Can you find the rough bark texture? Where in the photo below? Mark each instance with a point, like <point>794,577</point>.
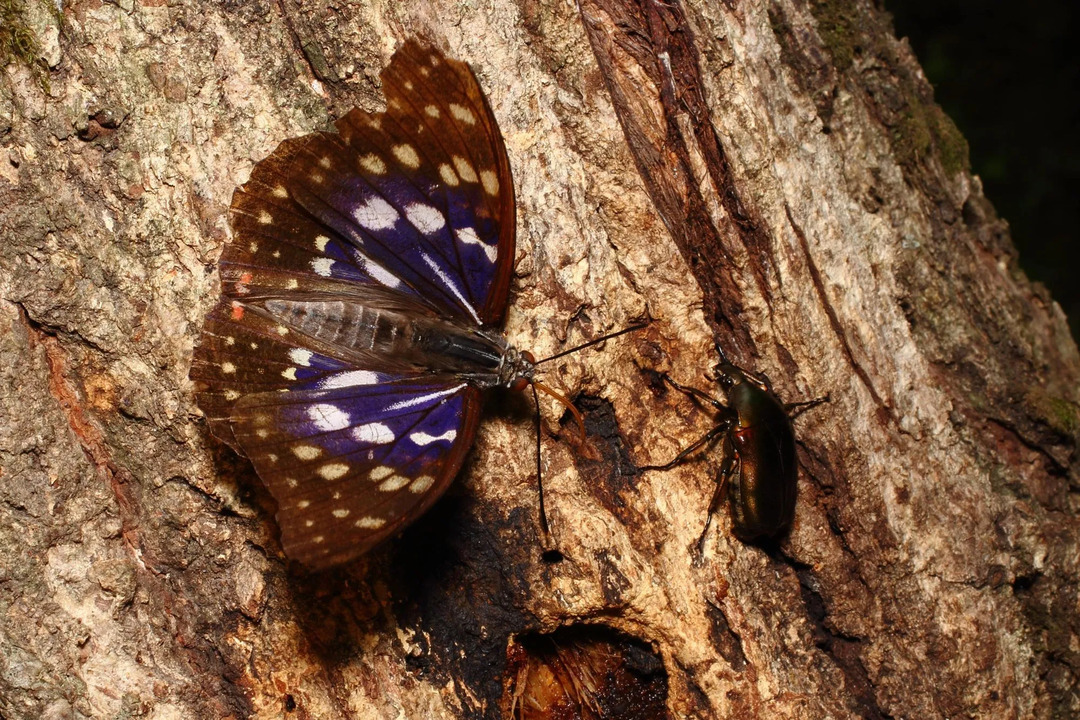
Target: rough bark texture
<point>771,175</point>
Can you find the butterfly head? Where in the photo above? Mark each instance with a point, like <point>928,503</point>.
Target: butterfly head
<point>518,369</point>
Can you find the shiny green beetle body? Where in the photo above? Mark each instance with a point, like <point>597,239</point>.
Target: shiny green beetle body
<point>759,473</point>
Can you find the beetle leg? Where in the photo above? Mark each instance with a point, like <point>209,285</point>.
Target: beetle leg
<point>727,469</point>
<point>695,393</point>
<point>800,407</point>
<point>703,440</point>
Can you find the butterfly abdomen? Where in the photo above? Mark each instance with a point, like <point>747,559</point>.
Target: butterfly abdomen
<point>404,341</point>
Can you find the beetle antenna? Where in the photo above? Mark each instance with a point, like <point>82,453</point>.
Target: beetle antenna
<point>592,342</point>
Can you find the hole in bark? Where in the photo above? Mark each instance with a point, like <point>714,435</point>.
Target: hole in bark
<point>583,672</point>
<point>552,556</point>
<point>290,703</point>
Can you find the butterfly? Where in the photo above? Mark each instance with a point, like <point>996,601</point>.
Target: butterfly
<point>368,272</point>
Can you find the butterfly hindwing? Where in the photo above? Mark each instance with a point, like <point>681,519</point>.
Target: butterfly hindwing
<point>410,211</point>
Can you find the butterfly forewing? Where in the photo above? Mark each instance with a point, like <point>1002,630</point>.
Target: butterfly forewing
<point>408,211</point>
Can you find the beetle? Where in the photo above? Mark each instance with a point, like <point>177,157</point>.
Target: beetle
<point>758,475</point>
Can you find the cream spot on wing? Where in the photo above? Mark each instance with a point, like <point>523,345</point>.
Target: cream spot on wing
<point>425,218</point>
<point>325,161</point>
<point>328,418</point>
<point>291,284</point>
<point>393,483</point>
<point>424,71</point>
<point>322,266</point>
<point>303,504</point>
<point>280,191</point>
<point>341,513</point>
<point>289,373</point>
<point>422,438</point>
<point>464,169</point>
<point>376,214</point>
<point>253,248</point>
<point>307,452</point>
<point>490,182</point>
<point>320,243</point>
<point>370,523</point>
<point>263,433</point>
<point>350,378</point>
<point>469,237</point>
<point>462,113</point>
<point>375,433</point>
<point>228,368</point>
<point>265,218</point>
<point>230,340</point>
<point>373,164</point>
<point>432,111</point>
<point>300,356</point>
<point>317,178</point>
<point>309,523</point>
<point>282,330</point>
<point>272,457</point>
<point>380,472</point>
<point>408,85</point>
<point>333,471</point>
<point>318,540</point>
<point>406,155</point>
<point>231,395</point>
<point>276,253</point>
<point>448,175</point>
<point>421,484</point>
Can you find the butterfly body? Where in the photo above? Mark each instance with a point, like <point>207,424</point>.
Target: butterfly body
<point>361,296</point>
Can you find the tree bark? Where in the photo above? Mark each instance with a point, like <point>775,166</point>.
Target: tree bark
<point>772,176</point>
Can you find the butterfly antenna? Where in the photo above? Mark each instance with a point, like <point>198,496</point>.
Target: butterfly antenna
<point>592,342</point>
<point>539,472</point>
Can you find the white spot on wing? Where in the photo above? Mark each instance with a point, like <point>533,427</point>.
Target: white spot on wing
<point>328,418</point>
<point>307,452</point>
<point>228,368</point>
<point>490,181</point>
<point>341,513</point>
<point>462,113</point>
<point>375,433</point>
<point>380,472</point>
<point>300,356</point>
<point>422,399</point>
<point>370,523</point>
<point>322,266</point>
<point>464,169</point>
<point>448,175</point>
<point>320,243</point>
<point>422,438</point>
<point>432,111</point>
<point>406,155</point>
<point>376,214</point>
<point>469,237</point>
<point>450,285</point>
<point>425,218</point>
<point>289,373</point>
<point>333,471</point>
<point>265,218</point>
<point>377,272</point>
<point>350,378</point>
<point>421,484</point>
<point>373,164</point>
<point>393,483</point>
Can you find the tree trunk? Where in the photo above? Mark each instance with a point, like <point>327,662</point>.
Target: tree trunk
<point>771,176</point>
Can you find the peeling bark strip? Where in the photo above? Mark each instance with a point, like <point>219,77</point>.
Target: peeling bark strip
<point>675,146</point>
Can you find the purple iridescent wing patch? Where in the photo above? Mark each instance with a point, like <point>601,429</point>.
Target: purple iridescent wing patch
<point>406,214</point>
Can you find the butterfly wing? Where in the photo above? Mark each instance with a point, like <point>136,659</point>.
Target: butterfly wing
<point>412,209</point>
